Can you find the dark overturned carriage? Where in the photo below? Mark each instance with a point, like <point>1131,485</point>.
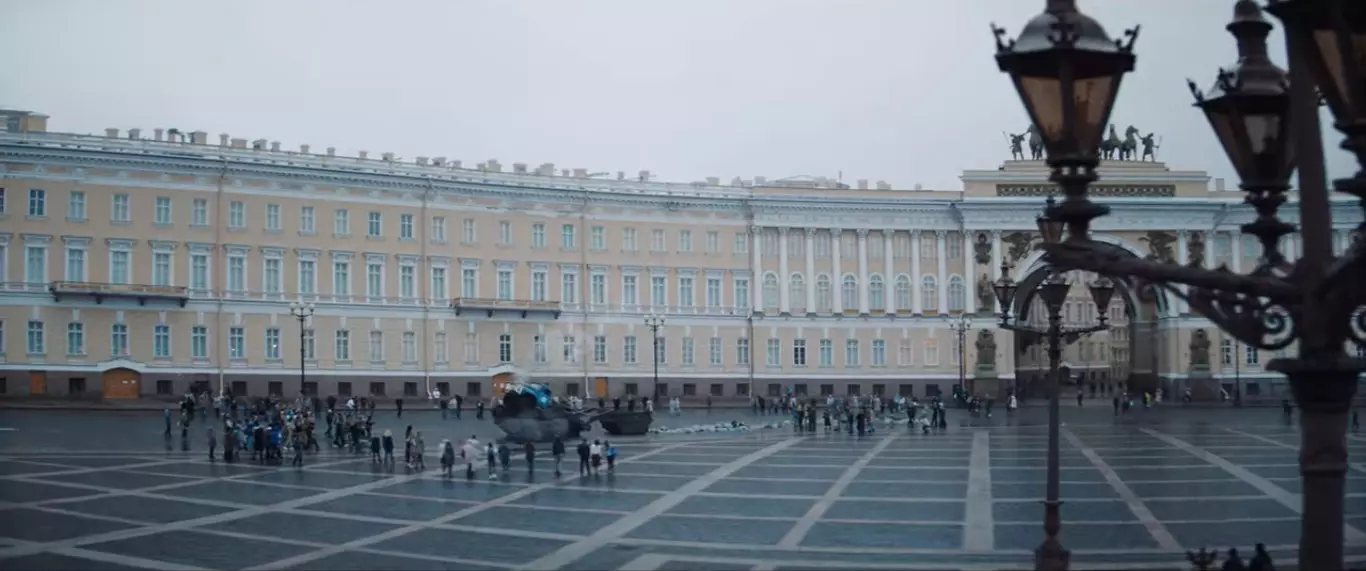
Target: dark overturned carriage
<point>528,414</point>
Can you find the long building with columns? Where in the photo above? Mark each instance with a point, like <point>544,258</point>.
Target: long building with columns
<point>143,264</point>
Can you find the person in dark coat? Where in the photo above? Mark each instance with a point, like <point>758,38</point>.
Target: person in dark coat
<point>1261,560</point>
<point>530,450</point>
<point>583,449</point>
<point>557,452</point>
<point>504,456</point>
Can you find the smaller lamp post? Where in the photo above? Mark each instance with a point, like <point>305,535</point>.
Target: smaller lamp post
<point>302,312</point>
<point>654,321</point>
<point>960,327</point>
<point>1050,554</point>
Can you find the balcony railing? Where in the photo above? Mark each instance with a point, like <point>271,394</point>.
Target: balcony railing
<point>100,291</point>
<point>490,305</point>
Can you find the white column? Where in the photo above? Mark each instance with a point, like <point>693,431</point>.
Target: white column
<point>916,307</point>
<point>888,276</point>
<point>1209,250</point>
<point>810,270</point>
<point>969,273</point>
<point>784,304</point>
<point>836,272</point>
<point>996,262</point>
<point>1183,258</point>
<point>941,243</point>
<point>1236,238</point>
<point>756,279</point>
<point>863,271</point>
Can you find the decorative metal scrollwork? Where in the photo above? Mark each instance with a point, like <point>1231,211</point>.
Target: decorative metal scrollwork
<point>1257,322</point>
<point>1356,329</point>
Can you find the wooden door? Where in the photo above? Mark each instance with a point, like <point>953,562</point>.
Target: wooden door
<point>600,387</point>
<point>37,383</point>
<point>500,384</point>
<point>121,384</point>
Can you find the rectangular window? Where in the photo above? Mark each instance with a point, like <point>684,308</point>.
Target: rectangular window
<point>271,276</point>
<point>441,351</point>
<point>628,350</point>
<point>163,215</point>
<point>199,271</point>
<point>629,294</point>
<point>714,351</point>
<point>75,265</point>
<point>661,345</point>
<point>799,352</point>
<point>439,229</point>
<point>600,349</point>
<point>742,351</point>
<point>827,350</point>
<point>120,267</point>
<point>932,353</point>
<point>118,340</point>
<point>538,235</point>
<point>161,341</point>
<point>75,339</point>
<point>657,241</point>
<point>341,346</point>
<point>439,283</point>
<point>272,217</point>
<point>75,206</point>
<point>409,346</point>
<point>688,351</point>
<point>199,212</point>
<point>309,348</point>
<point>628,239</point>
<point>341,222</point>
<point>374,280</point>
<point>567,239</point>
<point>405,226</point>
<point>879,353</point>
<point>1253,356</point>
<point>851,353</point>
<point>598,239</point>
<point>36,342</point>
<point>237,215</point>
<point>237,343</point>
<point>774,353</point>
<point>469,233</point>
<point>659,291</point>
<point>505,348</point>
<point>570,288</point>
<point>37,203</point>
<point>407,281</point>
<point>35,264</point>
<point>341,278</point>
<point>308,276</point>
<point>741,293</point>
<point>199,343</point>
<point>505,285</point>
<point>472,348</point>
<point>713,242</point>
<point>685,292</point>
<point>713,293</point>
<point>374,226</point>
<point>469,282</point>
<point>308,220</point>
<point>122,210</point>
<point>376,346</point>
<point>538,285</point>
<point>505,233</point>
<point>161,268</point>
<point>685,241</point>
<point>597,289</point>
<point>569,349</point>
<point>741,243</point>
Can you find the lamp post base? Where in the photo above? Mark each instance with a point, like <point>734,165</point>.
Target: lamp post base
<point>1051,555</point>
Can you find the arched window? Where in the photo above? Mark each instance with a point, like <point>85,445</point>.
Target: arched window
<point>796,292</point>
<point>877,293</point>
<point>823,299</point>
<point>958,294</point>
<point>849,293</point>
<point>929,294</point>
<point>770,291</point>
<point>903,292</point>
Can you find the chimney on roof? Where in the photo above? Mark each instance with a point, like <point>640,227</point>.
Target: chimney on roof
<point>564,172</point>
<point>387,156</point>
<point>519,168</point>
<point>112,133</point>
<point>493,165</point>
<point>421,161</point>
<point>1219,184</point>
<point>863,184</point>
<point>760,181</point>
<point>362,155</point>
<point>580,173</point>
<point>199,138</point>
<point>331,151</point>
<point>439,161</point>
<point>274,146</point>
<point>882,185</point>
<point>713,181</point>
<point>644,176</point>
<point>223,139</point>
<point>457,164</point>
<point>158,133</point>
<point>918,186</point>
<point>135,134</point>
<point>546,169</point>
<point>303,149</point>
<point>737,181</point>
<point>259,144</point>
<point>621,175</point>
<point>239,143</point>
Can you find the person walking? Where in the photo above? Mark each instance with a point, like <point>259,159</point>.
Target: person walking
<point>530,450</point>
<point>398,403</point>
<point>557,452</point>
<point>213,444</point>
<point>584,450</point>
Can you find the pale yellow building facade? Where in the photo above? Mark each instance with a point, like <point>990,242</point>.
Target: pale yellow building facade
<point>144,263</point>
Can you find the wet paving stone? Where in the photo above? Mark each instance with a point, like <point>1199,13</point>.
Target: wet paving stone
<point>1153,474</point>
<point>36,525</point>
<point>733,486</point>
<point>1035,490</point>
<point>646,467</point>
<point>1194,490</point>
<point>761,507</point>
<point>874,510</point>
<point>651,483</point>
<point>946,476</point>
<point>522,519</point>
<point>470,545</point>
<point>302,527</point>
<point>363,561</point>
<point>590,499</point>
<point>1196,535</point>
<point>209,470</point>
<point>15,491</point>
<point>1038,475</point>
<point>78,462</point>
<point>55,562</point>
<point>757,532</point>
<point>138,508</point>
<point>242,493</point>
<point>476,491</point>
<point>1089,536</point>
<point>315,479</point>
<point>884,535</point>
<point>908,491</point>
<point>8,468</point>
<point>1033,511</point>
<point>201,549</point>
<point>831,473</point>
<point>118,479</point>
<point>388,507</point>
<point>1214,509</point>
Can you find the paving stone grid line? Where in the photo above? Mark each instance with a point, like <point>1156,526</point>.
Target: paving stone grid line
<point>879,503</point>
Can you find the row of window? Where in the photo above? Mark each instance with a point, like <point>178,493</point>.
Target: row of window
<point>541,350</point>
<point>849,293</point>
<point>821,242</point>
<point>121,212</point>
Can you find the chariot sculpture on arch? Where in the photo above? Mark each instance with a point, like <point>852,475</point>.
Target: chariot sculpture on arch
<point>1035,141</point>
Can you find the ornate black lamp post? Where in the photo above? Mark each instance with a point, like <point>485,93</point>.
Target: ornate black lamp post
<point>1051,554</point>
<point>654,321</point>
<point>1267,121</point>
<point>302,312</point>
<point>960,327</point>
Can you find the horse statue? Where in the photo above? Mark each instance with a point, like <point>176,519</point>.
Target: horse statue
<point>1035,143</point>
<point>1016,145</point>
<point>1109,145</point>
<point>1149,147</point>
<point>1129,147</point>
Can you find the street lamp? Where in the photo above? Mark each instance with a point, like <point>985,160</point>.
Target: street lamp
<point>654,321</point>
<point>960,327</point>
<point>301,312</point>
<point>1051,554</point>
<point>1267,122</point>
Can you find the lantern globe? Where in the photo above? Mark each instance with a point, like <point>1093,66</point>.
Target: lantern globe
<point>1335,46</point>
<point>1054,293</point>
<point>1102,291</point>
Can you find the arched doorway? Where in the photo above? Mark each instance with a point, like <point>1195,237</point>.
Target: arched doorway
<point>1124,358</point>
<point>121,383</point>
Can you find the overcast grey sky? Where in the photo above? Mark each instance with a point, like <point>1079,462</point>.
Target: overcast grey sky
<point>901,90</point>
